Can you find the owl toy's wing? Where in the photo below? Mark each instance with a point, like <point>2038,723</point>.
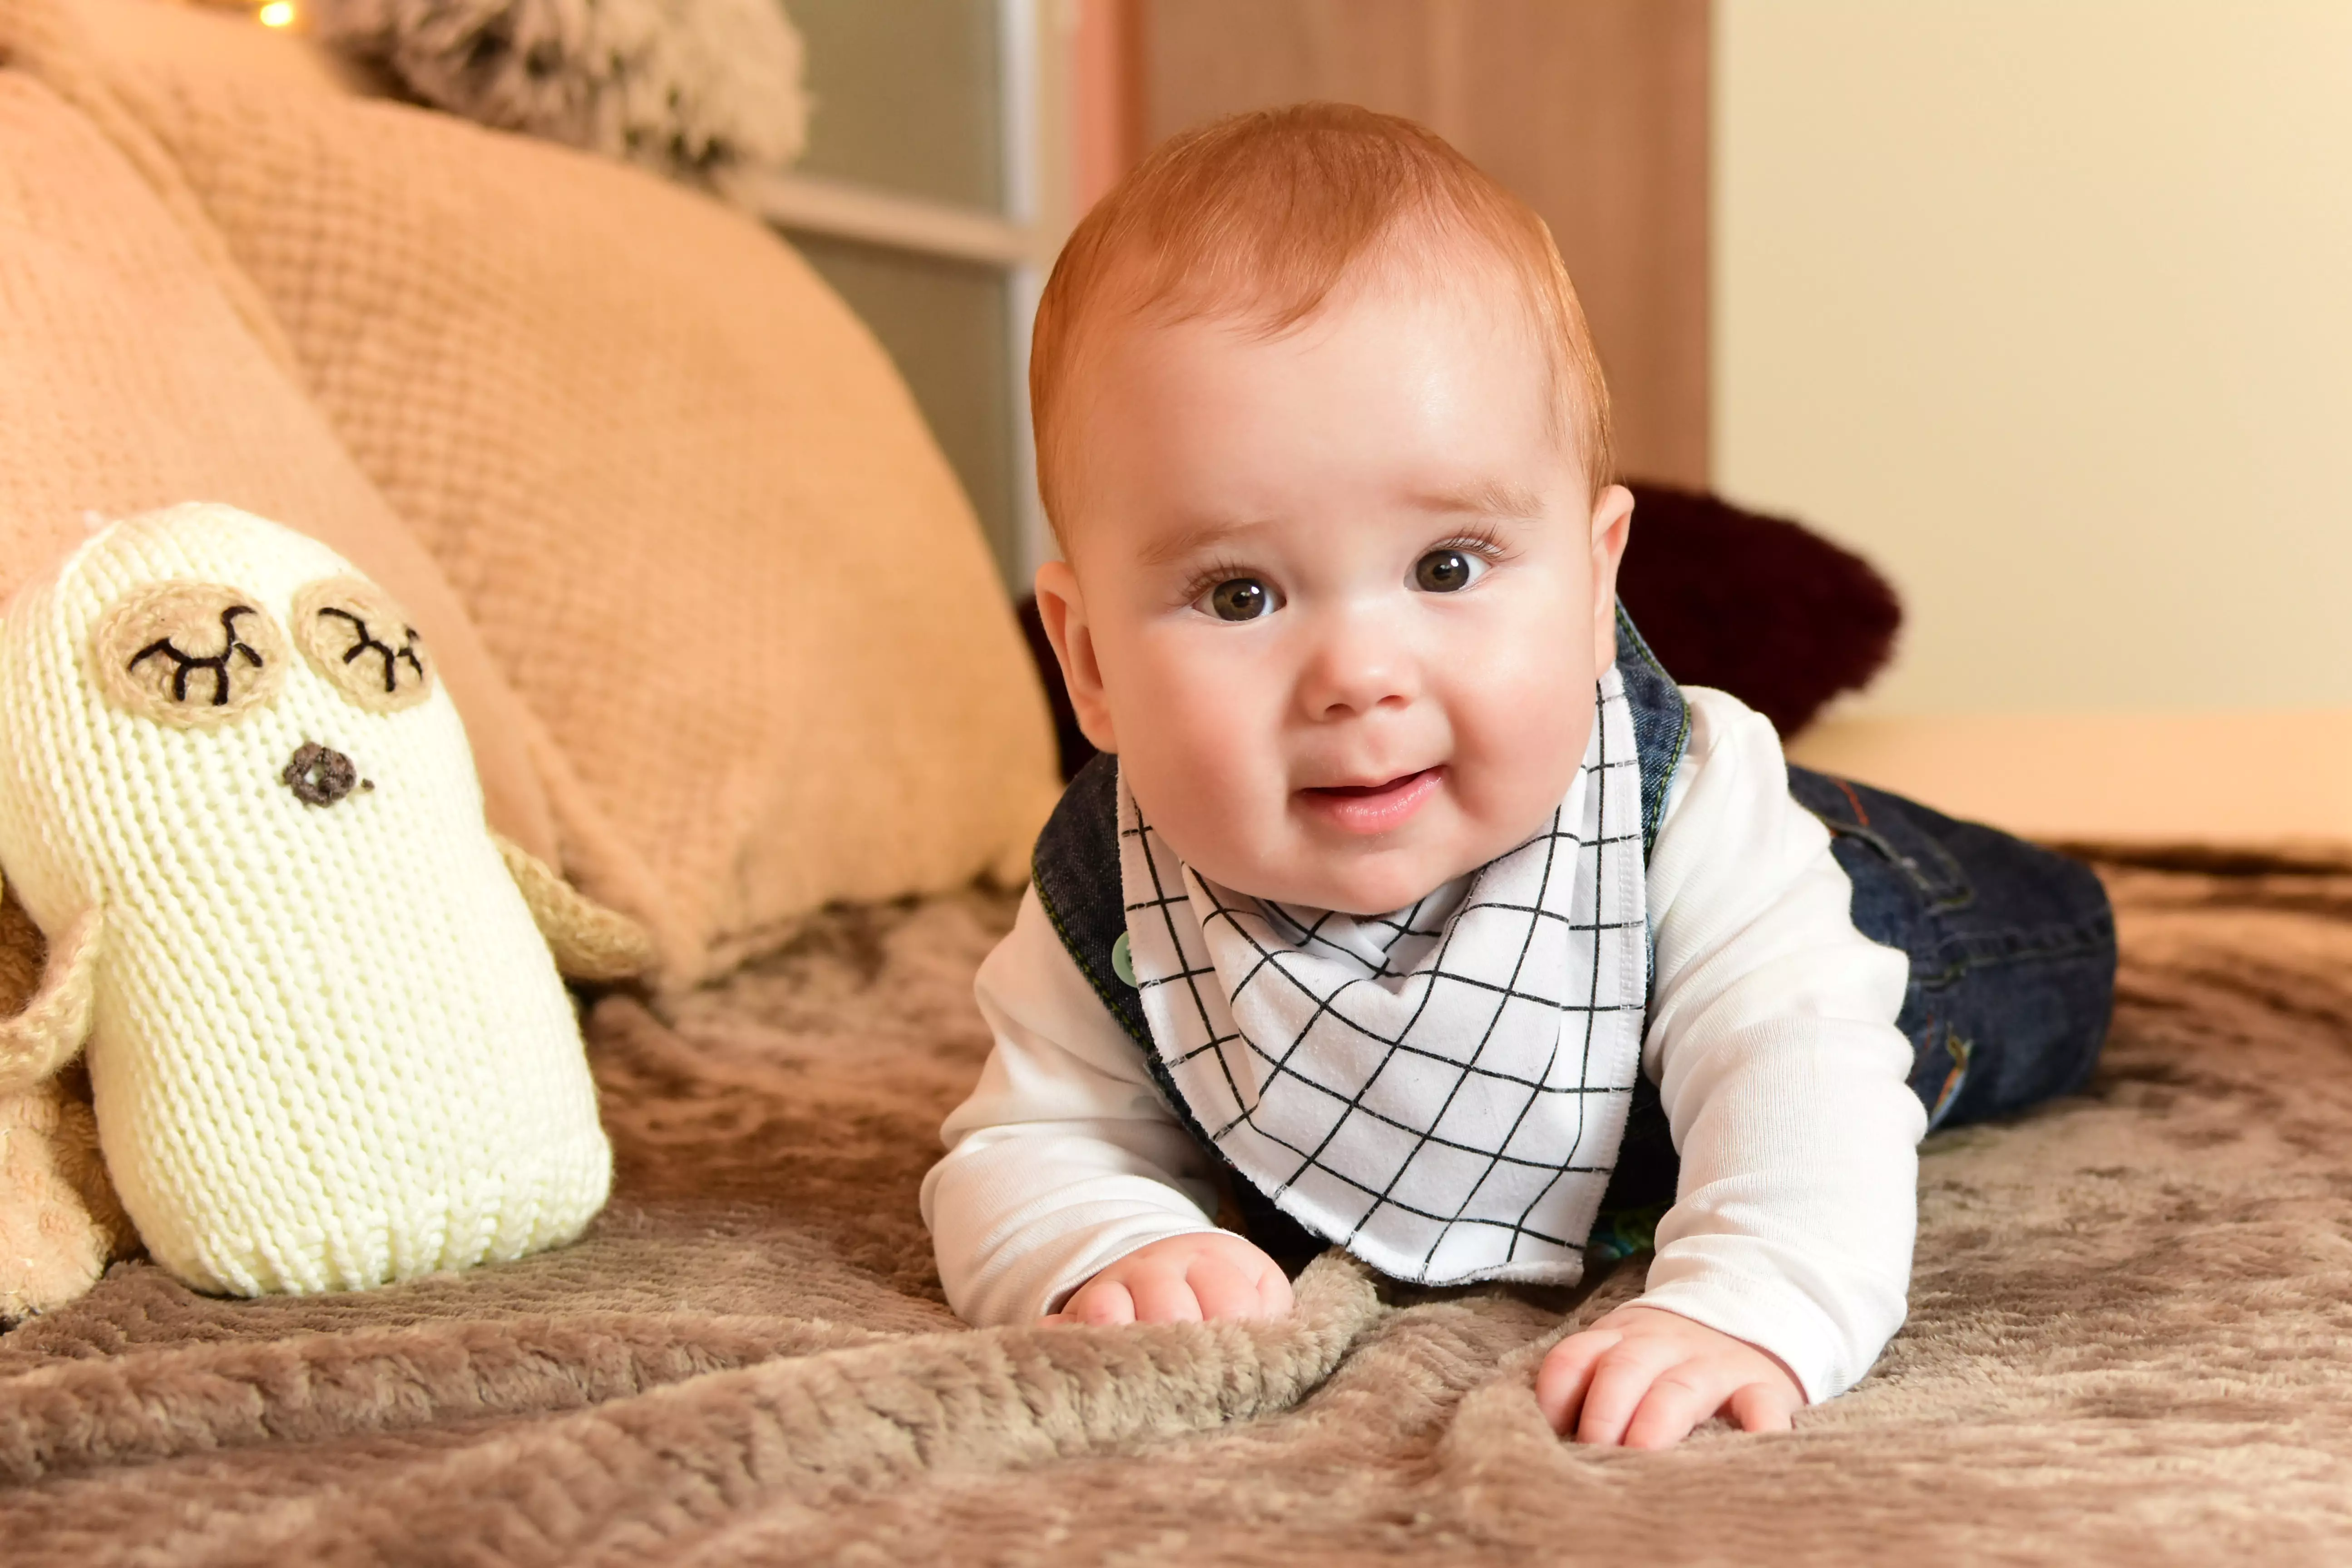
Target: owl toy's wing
<point>59,1220</point>
<point>54,1023</point>
<point>590,942</point>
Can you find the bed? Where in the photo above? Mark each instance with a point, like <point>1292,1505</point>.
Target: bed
<point>2126,1339</point>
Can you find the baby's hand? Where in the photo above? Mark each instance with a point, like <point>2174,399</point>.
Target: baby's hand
<point>1183,1279</point>
<point>1643,1376</point>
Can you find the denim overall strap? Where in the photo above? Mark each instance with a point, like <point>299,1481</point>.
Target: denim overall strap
<point>1075,870</point>
<point>1642,1184</point>
<point>1661,724</point>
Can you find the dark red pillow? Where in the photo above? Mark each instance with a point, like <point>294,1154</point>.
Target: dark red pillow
<point>1762,607</point>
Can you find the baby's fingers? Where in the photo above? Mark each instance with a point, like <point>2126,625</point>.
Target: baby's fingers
<point>1762,1407</point>
<point>1275,1296</point>
<point>1220,1289</point>
<point>1098,1301</point>
<point>1680,1398</point>
<point>1162,1295</point>
<point>1567,1373</point>
<point>1687,1394</point>
<point>1620,1384</point>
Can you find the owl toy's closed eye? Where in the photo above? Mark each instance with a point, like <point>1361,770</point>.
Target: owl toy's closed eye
<point>327,1040</point>
<point>187,653</point>
<point>353,634</point>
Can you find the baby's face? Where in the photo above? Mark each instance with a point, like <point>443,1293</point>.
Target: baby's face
<point>1337,599</point>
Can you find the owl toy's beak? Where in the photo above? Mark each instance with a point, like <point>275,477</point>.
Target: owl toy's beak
<point>320,775</point>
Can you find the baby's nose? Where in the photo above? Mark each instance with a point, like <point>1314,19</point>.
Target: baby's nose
<point>1353,674</point>
<point>320,775</point>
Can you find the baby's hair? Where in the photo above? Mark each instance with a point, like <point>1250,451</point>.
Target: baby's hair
<point>1264,215</point>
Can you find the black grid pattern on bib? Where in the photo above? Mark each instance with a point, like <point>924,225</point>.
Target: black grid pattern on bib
<point>1609,775</point>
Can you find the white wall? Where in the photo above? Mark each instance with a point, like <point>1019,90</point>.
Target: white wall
<point>2046,306</point>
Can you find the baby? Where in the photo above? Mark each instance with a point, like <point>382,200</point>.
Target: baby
<point>1413,907</point>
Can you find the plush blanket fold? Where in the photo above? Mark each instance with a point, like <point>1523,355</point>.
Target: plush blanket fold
<point>2127,1340</point>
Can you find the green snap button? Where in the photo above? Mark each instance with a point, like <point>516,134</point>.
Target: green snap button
<point>1122,962</point>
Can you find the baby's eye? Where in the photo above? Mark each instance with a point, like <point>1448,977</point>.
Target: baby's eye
<point>1240,598</point>
<point>1447,570</point>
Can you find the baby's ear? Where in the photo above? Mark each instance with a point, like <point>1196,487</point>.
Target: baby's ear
<point>1062,608</point>
<point>1612,524</point>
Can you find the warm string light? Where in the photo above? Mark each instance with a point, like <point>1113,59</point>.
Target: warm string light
<point>276,14</point>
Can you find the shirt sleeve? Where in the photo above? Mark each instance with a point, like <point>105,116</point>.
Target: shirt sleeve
<point>1771,1038</point>
<point>1064,1158</point>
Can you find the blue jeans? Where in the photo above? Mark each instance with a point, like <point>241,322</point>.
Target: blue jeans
<point>2012,953</point>
<point>2012,948</point>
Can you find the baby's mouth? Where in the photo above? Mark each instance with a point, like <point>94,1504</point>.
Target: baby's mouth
<point>1371,808</point>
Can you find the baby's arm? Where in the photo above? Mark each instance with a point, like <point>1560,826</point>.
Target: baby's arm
<point>1065,1169</point>
<point>1784,1078</point>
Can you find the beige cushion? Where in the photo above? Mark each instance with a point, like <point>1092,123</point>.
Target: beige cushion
<point>128,381</point>
<point>688,502</point>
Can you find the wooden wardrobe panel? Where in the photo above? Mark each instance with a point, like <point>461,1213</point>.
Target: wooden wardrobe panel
<point>1593,111</point>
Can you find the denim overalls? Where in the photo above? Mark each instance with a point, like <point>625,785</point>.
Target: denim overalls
<point>2012,951</point>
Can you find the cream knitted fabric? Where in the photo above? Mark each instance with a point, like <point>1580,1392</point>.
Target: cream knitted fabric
<point>329,1047</point>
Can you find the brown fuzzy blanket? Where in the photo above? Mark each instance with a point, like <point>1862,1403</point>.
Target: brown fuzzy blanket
<point>2127,1341</point>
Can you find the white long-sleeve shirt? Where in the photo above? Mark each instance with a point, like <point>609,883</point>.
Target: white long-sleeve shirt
<point>1770,1036</point>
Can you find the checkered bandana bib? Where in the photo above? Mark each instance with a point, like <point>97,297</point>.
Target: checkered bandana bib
<point>1441,1090</point>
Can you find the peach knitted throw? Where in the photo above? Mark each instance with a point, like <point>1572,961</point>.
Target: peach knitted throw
<point>686,503</point>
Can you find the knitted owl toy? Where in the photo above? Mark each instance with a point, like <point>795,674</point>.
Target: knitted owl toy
<point>327,1040</point>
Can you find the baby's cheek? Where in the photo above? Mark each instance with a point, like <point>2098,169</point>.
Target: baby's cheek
<point>1202,757</point>
<point>1520,728</point>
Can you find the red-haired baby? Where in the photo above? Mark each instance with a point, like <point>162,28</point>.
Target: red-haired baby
<point>1411,908</point>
